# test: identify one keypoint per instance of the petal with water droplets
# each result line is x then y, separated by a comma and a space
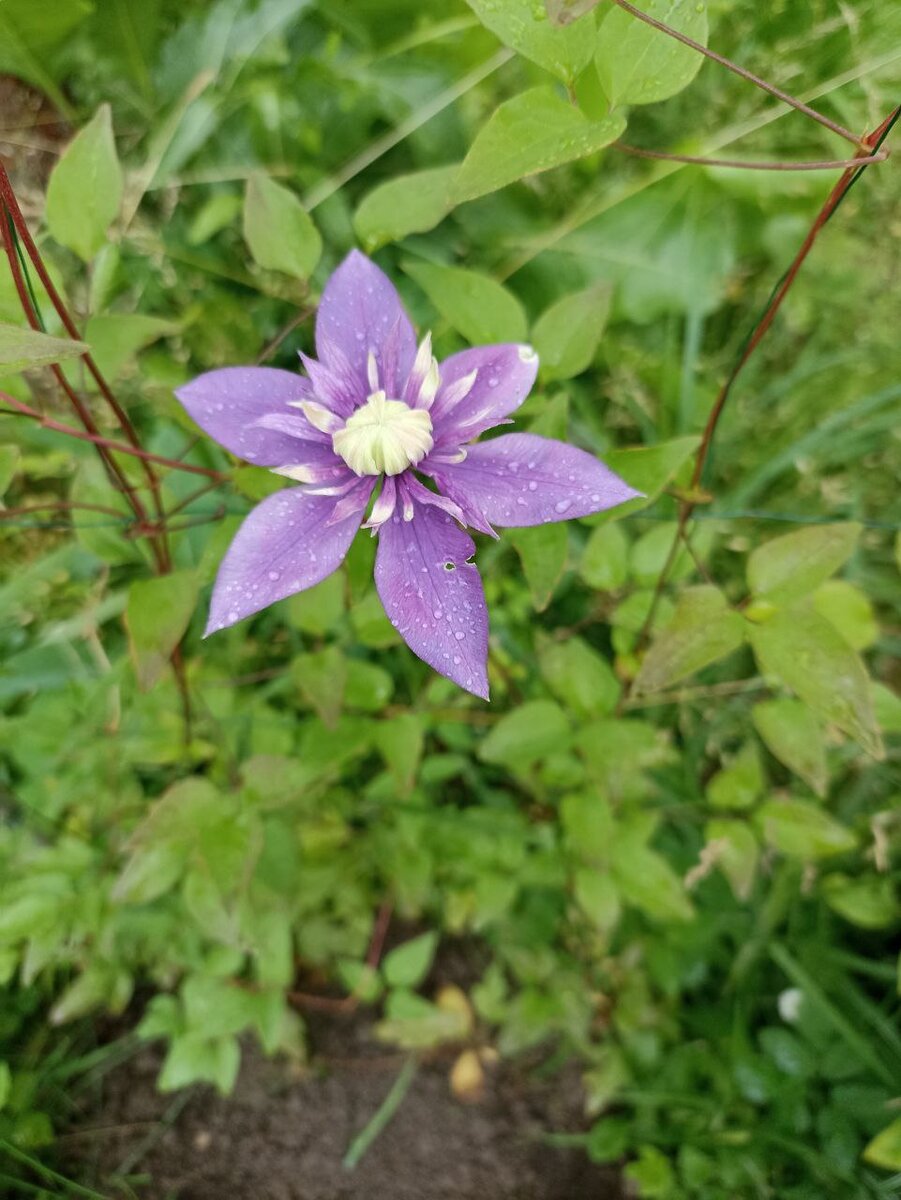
285, 545
522, 479
433, 595
360, 311
228, 404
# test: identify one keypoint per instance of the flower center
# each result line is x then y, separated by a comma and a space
384, 436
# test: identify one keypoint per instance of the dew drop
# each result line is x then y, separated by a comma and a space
562, 505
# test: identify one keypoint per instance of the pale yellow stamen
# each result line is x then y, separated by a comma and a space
384, 436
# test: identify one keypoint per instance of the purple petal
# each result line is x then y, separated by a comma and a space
434, 596
357, 315
522, 479
284, 545
337, 386
504, 377
228, 404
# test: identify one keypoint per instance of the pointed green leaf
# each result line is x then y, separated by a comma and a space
597, 896
789, 567
703, 630
605, 559
805, 652
637, 64
801, 830
478, 307
543, 551
525, 28
792, 734
739, 784
22, 349
322, 677
156, 617
85, 189
279, 232
403, 205
567, 334
737, 854
401, 741
526, 735
649, 469
579, 677
533, 132
407, 965
885, 1148
647, 881
849, 610
116, 339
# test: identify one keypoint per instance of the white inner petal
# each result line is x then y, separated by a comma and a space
384, 436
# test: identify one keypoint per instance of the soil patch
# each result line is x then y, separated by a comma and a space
282, 1135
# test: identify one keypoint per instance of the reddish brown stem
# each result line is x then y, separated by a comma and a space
742, 72
739, 164
12, 206
867, 144
109, 443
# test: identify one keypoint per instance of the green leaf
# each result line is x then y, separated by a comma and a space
817, 664
885, 1148
789, 567
5, 1084
368, 687
22, 349
117, 338
567, 334
85, 189
543, 551
579, 677
9, 464
318, 609
640, 65
406, 966
322, 678
646, 880
740, 783
194, 1058
792, 734
801, 830
478, 307
525, 28
649, 469
401, 742
849, 610
605, 559
279, 232
156, 616
702, 630
588, 825
403, 205
526, 735
737, 855
597, 896
533, 132
869, 901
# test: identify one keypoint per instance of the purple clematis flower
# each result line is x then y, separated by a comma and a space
373, 415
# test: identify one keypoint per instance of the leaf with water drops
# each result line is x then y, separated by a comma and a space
524, 26
533, 132
638, 64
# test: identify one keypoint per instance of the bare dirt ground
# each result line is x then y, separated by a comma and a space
283, 1134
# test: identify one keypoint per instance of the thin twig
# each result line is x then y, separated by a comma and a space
740, 164
12, 205
109, 443
297, 320
742, 72
868, 143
